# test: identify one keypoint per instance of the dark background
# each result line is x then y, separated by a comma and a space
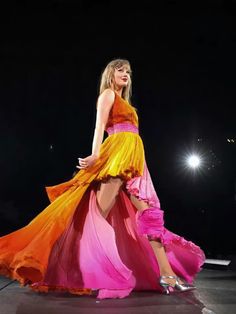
183, 60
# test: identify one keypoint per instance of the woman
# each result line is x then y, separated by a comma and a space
104, 228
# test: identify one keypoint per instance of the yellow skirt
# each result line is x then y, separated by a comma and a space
121, 154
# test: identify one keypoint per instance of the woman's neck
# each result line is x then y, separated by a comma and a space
118, 91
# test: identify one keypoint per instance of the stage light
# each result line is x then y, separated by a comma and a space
193, 161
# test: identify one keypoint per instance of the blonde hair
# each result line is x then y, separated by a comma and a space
108, 76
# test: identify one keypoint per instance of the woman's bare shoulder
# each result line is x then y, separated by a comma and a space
108, 93
106, 98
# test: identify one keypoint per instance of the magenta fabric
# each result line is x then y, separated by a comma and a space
122, 127
91, 252
150, 222
142, 187
110, 256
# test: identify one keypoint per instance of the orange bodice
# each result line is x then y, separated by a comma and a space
122, 111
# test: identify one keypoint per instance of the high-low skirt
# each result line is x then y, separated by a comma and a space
71, 247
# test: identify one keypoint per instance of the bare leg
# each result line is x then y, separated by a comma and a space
106, 197
107, 193
158, 248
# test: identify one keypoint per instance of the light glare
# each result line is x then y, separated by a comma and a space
193, 161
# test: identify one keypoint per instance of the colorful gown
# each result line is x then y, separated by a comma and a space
71, 247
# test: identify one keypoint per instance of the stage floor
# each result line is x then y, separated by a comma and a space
216, 293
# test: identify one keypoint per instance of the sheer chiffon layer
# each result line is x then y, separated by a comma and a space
123, 260
93, 243
24, 253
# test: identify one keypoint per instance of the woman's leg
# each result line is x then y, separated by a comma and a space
106, 197
107, 193
158, 248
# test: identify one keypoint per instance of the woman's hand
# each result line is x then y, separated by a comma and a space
87, 162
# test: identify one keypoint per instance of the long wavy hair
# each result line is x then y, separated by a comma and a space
107, 78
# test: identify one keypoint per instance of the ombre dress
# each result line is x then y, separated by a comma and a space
71, 247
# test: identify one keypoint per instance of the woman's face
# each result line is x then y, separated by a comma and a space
122, 76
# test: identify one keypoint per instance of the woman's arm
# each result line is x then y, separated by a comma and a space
104, 105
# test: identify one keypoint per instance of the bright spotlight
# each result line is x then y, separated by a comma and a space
193, 161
